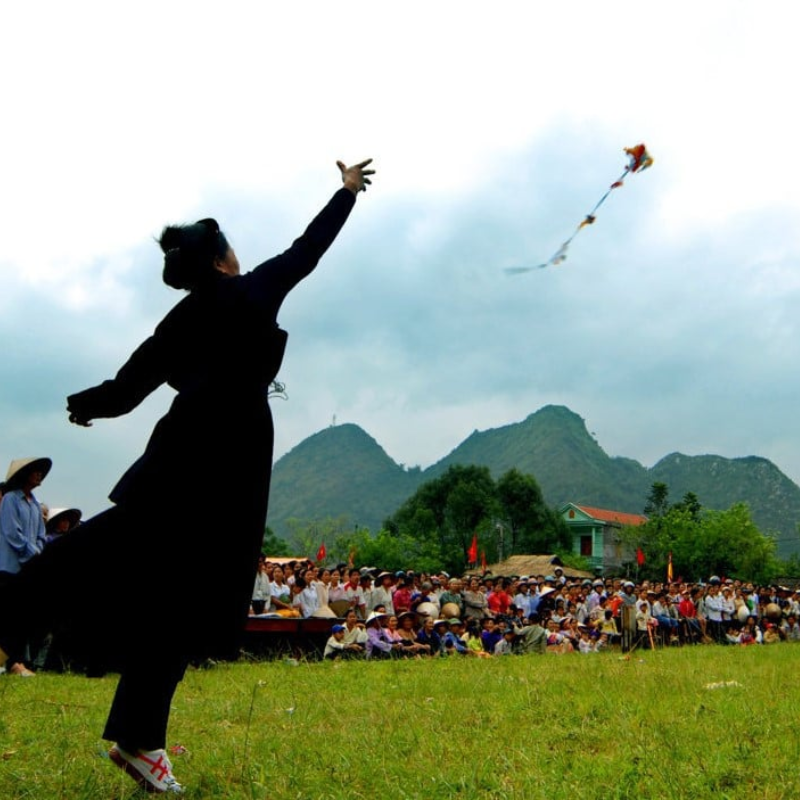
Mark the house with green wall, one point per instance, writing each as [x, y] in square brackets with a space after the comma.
[595, 535]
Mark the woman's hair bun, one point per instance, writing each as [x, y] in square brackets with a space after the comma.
[190, 252]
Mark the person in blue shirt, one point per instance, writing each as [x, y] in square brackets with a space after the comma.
[22, 537]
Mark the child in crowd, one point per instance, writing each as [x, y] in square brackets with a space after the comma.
[586, 644]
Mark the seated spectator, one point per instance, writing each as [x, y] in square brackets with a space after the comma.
[772, 633]
[304, 597]
[734, 635]
[603, 643]
[452, 643]
[355, 631]
[429, 638]
[505, 645]
[571, 630]
[608, 626]
[586, 644]
[407, 632]
[336, 647]
[557, 642]
[471, 636]
[559, 611]
[392, 627]
[531, 638]
[490, 635]
[281, 595]
[751, 632]
[379, 643]
[667, 616]
[791, 628]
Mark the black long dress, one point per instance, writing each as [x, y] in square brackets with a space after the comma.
[167, 572]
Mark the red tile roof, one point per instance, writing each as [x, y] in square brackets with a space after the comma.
[613, 516]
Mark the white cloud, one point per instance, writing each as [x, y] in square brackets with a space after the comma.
[494, 130]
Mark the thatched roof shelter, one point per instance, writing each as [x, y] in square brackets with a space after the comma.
[535, 565]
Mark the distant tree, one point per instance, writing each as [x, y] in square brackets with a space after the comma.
[272, 545]
[509, 515]
[305, 536]
[522, 507]
[450, 509]
[716, 543]
[691, 504]
[388, 550]
[657, 503]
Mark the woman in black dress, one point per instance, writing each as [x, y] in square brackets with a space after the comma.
[191, 510]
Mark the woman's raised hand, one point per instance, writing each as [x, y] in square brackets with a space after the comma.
[356, 178]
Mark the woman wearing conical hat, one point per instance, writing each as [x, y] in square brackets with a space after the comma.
[22, 537]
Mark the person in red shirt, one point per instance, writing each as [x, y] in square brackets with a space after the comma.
[500, 600]
[688, 614]
[401, 599]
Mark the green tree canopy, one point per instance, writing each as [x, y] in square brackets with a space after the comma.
[702, 542]
[466, 502]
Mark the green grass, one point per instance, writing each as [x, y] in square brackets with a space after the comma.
[593, 726]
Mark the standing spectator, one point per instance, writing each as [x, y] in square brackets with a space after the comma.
[476, 606]
[61, 521]
[522, 599]
[336, 591]
[354, 594]
[22, 536]
[261, 589]
[401, 599]
[381, 595]
[499, 600]
[452, 594]
[714, 611]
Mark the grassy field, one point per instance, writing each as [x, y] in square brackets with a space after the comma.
[692, 722]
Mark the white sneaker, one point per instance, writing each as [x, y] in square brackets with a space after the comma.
[151, 769]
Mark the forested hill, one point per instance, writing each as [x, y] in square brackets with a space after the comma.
[343, 472]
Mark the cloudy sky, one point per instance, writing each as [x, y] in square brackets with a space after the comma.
[494, 127]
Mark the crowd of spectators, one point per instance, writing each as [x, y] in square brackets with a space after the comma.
[381, 614]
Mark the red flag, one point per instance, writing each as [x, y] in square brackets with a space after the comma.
[669, 568]
[639, 556]
[483, 559]
[321, 553]
[472, 555]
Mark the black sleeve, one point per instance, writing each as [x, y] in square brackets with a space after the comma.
[142, 374]
[270, 282]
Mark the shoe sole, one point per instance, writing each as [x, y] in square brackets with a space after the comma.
[125, 765]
